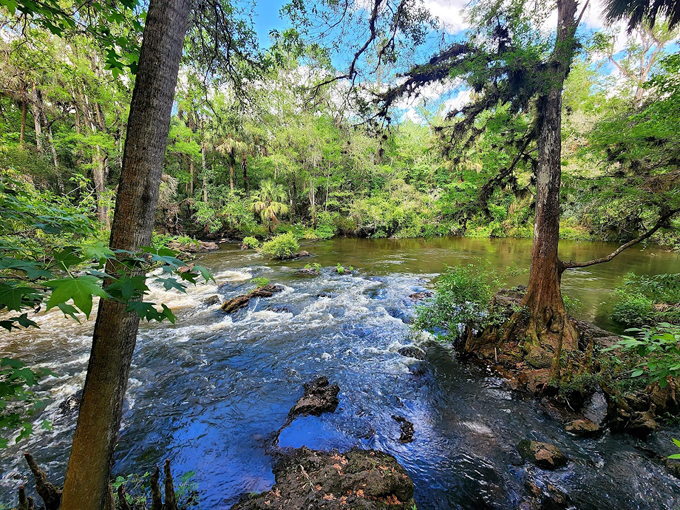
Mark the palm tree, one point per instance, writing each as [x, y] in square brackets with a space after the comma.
[268, 203]
[639, 11]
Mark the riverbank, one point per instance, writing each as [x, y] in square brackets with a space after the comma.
[217, 385]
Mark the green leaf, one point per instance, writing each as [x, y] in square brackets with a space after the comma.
[67, 258]
[171, 283]
[674, 456]
[80, 290]
[14, 297]
[636, 373]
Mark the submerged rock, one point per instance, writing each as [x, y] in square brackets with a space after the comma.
[407, 429]
[320, 397]
[241, 301]
[583, 428]
[212, 300]
[358, 479]
[544, 455]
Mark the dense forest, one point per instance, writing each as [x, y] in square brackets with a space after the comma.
[155, 148]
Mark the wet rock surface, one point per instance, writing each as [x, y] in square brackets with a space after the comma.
[583, 428]
[198, 247]
[411, 351]
[407, 429]
[417, 296]
[544, 455]
[320, 397]
[358, 479]
[243, 300]
[212, 300]
[72, 404]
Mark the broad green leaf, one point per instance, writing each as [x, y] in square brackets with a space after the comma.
[80, 290]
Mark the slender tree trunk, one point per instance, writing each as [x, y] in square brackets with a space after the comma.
[191, 176]
[22, 131]
[293, 198]
[99, 174]
[115, 333]
[231, 173]
[50, 141]
[35, 107]
[204, 174]
[549, 327]
[244, 168]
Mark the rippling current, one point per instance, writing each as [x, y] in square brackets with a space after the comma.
[208, 392]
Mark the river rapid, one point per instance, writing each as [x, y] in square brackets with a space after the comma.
[208, 392]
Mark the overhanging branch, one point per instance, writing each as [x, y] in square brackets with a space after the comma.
[660, 223]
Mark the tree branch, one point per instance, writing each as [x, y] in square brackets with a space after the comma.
[660, 223]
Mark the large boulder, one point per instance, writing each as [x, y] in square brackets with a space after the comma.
[358, 479]
[544, 455]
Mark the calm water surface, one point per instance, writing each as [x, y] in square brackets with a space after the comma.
[208, 391]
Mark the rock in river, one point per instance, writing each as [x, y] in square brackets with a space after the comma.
[583, 428]
[320, 397]
[411, 351]
[358, 479]
[544, 455]
[239, 302]
[407, 429]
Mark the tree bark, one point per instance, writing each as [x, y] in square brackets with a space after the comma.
[22, 131]
[204, 174]
[549, 327]
[115, 333]
[35, 108]
[99, 175]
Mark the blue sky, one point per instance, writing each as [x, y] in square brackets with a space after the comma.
[267, 18]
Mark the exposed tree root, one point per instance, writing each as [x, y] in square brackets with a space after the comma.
[51, 495]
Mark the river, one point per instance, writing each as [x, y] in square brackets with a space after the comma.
[208, 391]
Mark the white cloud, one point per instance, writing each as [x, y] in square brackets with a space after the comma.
[450, 13]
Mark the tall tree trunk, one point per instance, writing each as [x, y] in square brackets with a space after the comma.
[549, 327]
[115, 333]
[232, 162]
[244, 168]
[204, 174]
[22, 131]
[99, 173]
[50, 141]
[191, 176]
[35, 107]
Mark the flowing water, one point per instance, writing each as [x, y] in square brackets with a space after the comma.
[209, 391]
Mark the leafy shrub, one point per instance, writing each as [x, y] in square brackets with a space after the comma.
[647, 300]
[251, 242]
[656, 351]
[282, 246]
[260, 281]
[462, 298]
[339, 268]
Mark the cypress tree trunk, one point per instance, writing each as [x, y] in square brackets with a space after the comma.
[115, 333]
[549, 327]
